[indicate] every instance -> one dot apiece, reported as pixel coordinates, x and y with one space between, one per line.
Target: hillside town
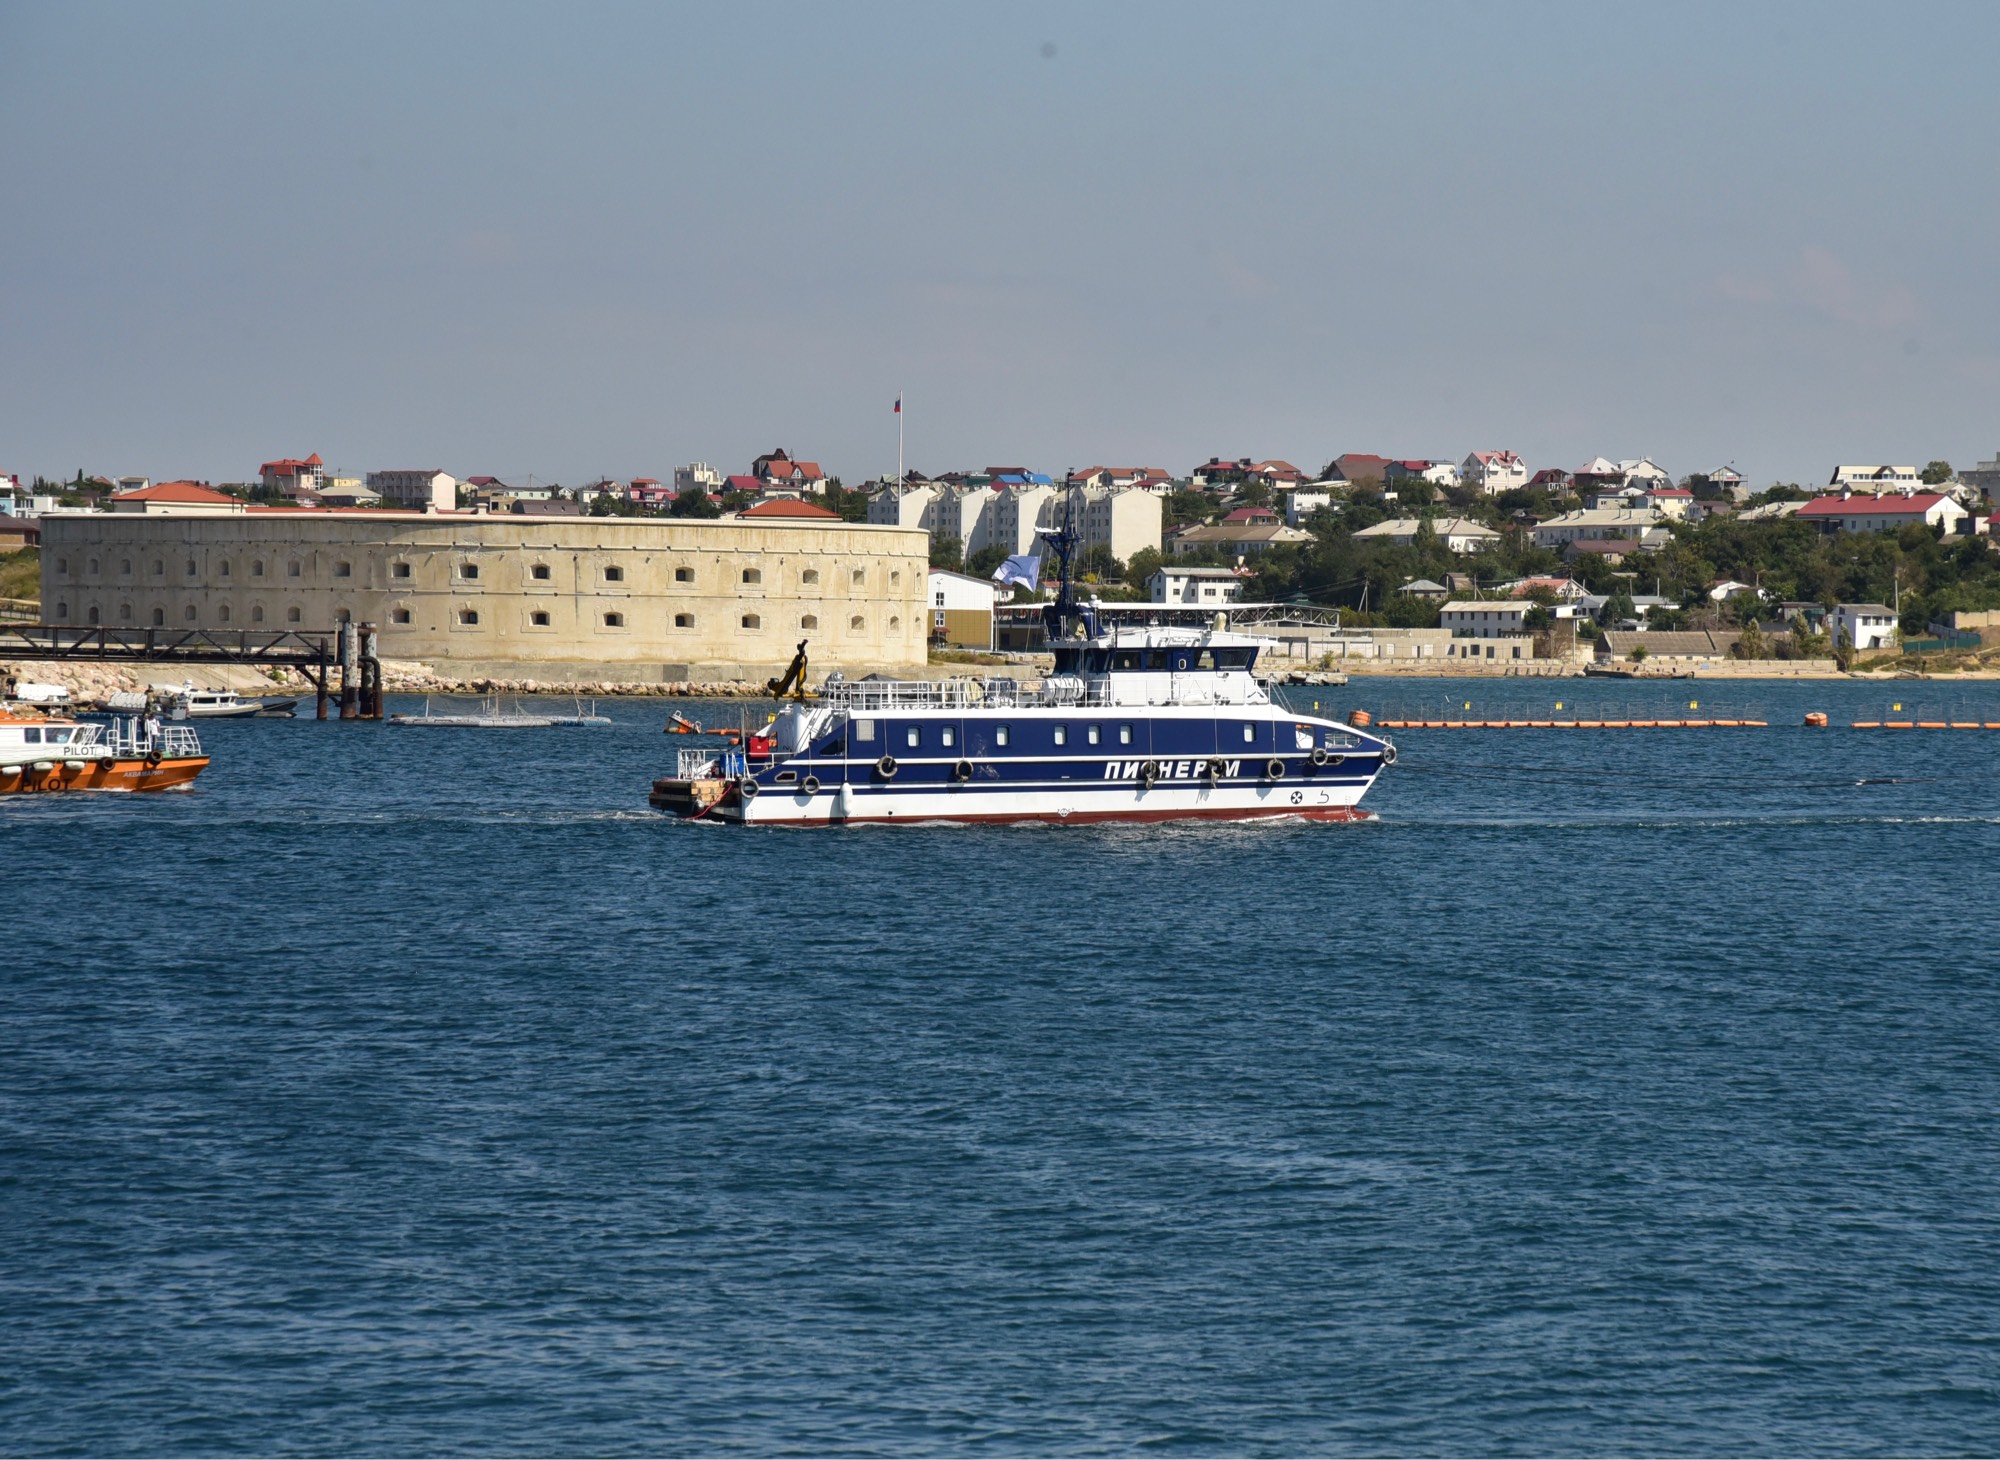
1370 561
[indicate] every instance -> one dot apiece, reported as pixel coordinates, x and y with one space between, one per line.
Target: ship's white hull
858 805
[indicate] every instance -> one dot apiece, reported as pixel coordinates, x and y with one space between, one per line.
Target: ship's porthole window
947 736
913 737
683 620
468 615
540 572
614 620
539 619
809 621
1124 734
1249 734
1062 734
291 615
399 616
1094 734
1001 734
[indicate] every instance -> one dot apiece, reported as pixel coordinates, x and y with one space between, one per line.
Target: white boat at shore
489 716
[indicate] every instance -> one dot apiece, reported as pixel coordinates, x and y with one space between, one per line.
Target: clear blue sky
610 238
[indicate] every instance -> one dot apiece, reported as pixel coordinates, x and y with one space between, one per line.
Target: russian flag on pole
899 405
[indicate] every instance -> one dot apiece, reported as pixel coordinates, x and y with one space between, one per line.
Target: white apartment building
1596 522
1195 585
697 476
1458 534
1492 618
428 491
1875 478
1302 502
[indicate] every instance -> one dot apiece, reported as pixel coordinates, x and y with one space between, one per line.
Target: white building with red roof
1494 472
1851 511
177 499
290 475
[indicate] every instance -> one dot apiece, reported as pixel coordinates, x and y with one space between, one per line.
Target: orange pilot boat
50 752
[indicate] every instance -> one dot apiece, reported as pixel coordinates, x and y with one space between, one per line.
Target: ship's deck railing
962 694
710 765
128 737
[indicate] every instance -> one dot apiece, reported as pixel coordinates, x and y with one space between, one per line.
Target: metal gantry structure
350 648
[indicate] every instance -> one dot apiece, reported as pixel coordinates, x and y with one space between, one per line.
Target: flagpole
899 438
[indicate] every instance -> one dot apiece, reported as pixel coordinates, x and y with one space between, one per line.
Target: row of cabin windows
1099 661
864 730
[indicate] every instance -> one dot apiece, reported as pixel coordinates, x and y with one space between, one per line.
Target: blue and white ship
1133 724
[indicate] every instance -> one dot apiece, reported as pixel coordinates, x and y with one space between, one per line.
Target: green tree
982 563
1936 474
1140 568
693 503
1185 506
947 552
1751 643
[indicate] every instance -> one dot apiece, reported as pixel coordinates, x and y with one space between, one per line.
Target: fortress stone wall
584 597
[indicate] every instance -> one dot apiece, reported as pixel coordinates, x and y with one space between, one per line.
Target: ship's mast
1056 616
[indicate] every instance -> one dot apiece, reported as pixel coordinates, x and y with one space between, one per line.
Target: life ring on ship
886 767
1319 755
810 785
153 759
1388 755
962 771
747 789
1149 773
1274 768
1216 768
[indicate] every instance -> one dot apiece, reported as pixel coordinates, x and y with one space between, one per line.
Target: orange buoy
1965 724
1867 724
1816 717
1931 725
1899 725
1359 718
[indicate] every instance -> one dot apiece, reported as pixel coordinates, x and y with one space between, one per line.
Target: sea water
421 1091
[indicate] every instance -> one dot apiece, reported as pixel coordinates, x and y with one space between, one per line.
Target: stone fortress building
643 599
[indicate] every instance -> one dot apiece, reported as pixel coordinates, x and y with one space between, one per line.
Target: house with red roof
177 499
786 509
1494 472
290 475
1850 511
1358 468
777 473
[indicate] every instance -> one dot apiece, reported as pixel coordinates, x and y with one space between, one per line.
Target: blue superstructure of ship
1132 724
